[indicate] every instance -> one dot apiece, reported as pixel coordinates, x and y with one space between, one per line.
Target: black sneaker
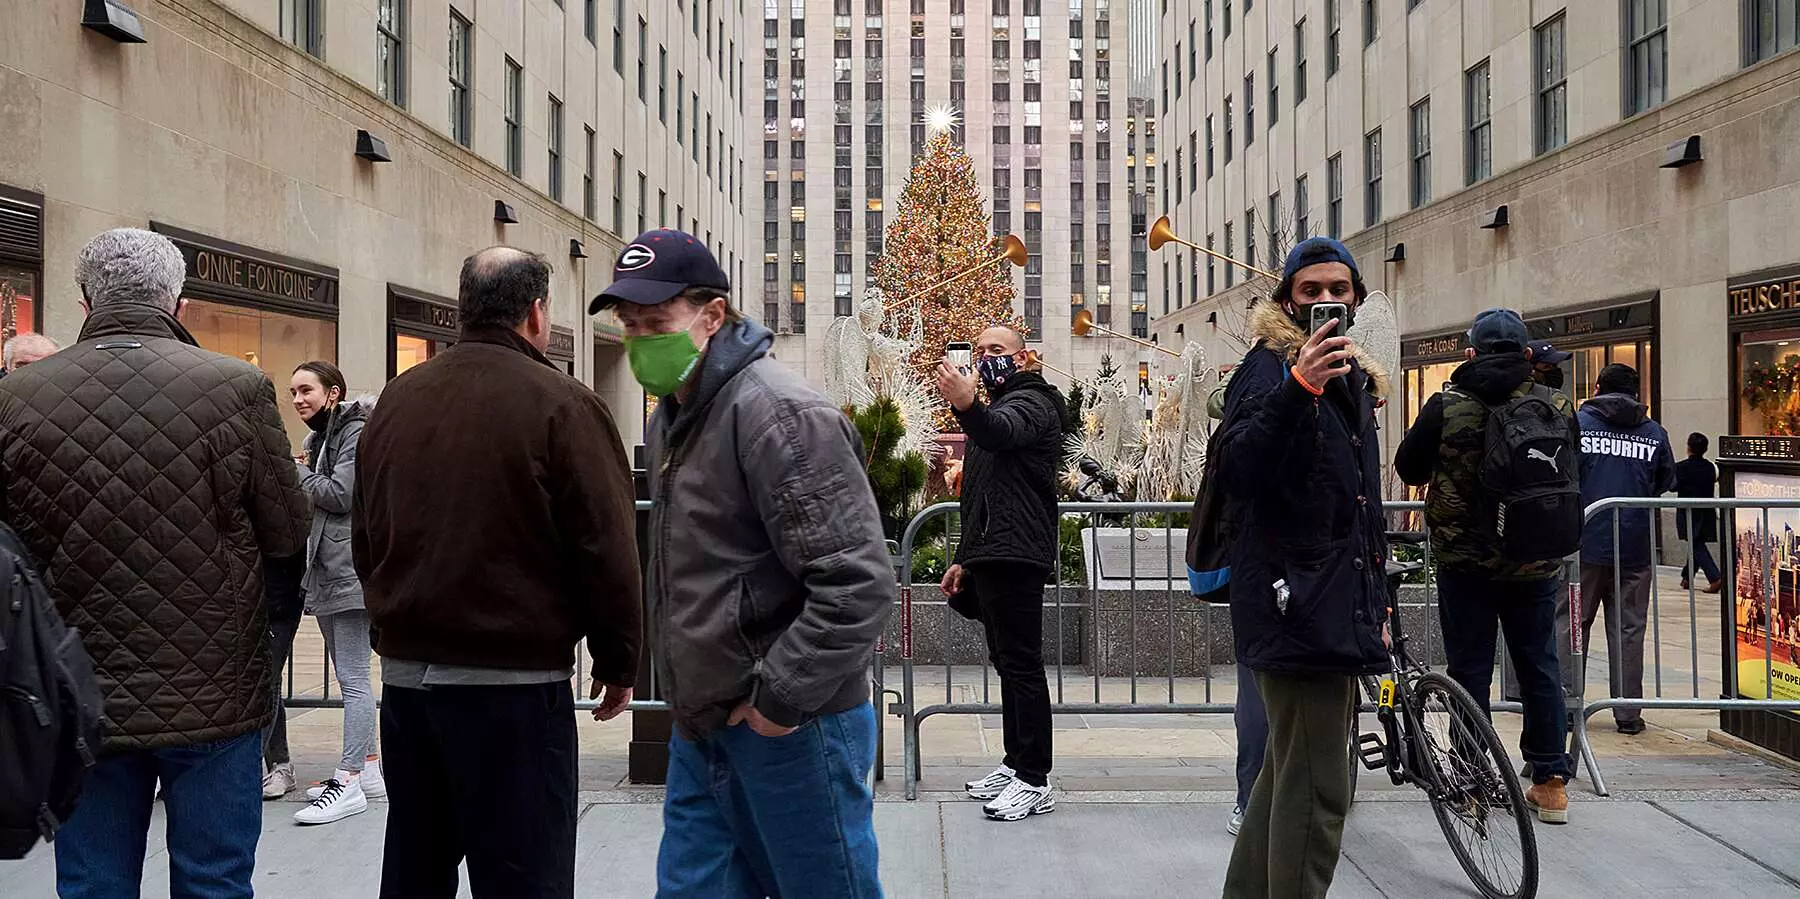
1632 728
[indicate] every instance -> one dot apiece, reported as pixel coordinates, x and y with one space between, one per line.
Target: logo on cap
635 257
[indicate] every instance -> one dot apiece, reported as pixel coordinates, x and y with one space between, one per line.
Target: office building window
1211 285
1250 230
515 110
1209 145
1371 22
643 202
1209 40
643 63
588 147
461 67
1372 177
301 25
1334 196
1478 100
590 20
1274 91
1301 222
1230 270
390 51
1299 62
1227 130
1551 119
1333 28
619 37
1274 226
680 108
662 84
1249 109
1225 18
1419 130
556 149
1193 61
1771 27
1647 34
618 195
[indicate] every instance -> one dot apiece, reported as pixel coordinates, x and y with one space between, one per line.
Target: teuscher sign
1772 295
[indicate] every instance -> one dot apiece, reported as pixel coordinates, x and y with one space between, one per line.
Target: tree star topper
941 118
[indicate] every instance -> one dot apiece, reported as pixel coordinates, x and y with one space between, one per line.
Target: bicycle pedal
1372 751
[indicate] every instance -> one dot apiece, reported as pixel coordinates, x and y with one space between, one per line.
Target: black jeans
1469 604
485 773
285 609
1012 613
1703 559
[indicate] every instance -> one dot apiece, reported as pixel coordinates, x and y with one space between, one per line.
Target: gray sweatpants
1627 612
347 641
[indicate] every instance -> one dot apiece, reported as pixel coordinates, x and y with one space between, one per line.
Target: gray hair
131 265
11 352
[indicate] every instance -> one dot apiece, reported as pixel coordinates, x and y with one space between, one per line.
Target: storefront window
1768 377
18 300
1582 371
271 341
410 351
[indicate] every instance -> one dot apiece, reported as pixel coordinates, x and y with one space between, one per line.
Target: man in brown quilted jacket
149 477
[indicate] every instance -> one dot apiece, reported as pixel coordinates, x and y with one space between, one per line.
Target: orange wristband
1295 371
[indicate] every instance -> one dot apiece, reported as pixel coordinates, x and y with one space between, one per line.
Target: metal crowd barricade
1729 699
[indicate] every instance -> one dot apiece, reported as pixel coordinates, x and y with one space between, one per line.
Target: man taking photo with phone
1302 473
1007 550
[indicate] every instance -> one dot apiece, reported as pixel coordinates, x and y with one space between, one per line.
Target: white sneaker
335 802
1021 800
1237 821
992 785
373 786
278 781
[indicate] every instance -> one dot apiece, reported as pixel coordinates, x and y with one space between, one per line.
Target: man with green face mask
769 583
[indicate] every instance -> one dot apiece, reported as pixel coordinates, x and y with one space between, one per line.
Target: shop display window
271 341
410 351
1768 383
18 299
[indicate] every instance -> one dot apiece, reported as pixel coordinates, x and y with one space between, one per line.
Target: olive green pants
1288 848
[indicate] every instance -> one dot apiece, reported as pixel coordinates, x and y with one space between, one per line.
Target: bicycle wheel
1355 750
1478 802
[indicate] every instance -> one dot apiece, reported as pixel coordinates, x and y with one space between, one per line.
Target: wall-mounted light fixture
113 19
1397 253
576 251
1212 318
1684 152
504 214
372 148
1496 218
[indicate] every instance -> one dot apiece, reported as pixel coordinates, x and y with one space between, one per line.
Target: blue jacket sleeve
1271 423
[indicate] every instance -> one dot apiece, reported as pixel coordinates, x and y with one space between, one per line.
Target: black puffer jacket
1303 475
1009 474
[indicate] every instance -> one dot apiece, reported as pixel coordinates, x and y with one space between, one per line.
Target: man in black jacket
1008 548
1302 474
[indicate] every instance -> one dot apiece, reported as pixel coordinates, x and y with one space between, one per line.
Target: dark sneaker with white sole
1019 801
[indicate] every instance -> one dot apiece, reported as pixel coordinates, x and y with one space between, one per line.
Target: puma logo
1535 453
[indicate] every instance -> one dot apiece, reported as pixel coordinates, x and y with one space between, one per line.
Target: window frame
1653 44
513 113
1418 132
1478 145
1544 138
462 105
1372 178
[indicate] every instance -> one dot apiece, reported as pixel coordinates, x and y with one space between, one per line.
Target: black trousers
1012 613
483 773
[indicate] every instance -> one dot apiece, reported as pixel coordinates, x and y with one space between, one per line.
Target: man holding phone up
1302 473
1007 550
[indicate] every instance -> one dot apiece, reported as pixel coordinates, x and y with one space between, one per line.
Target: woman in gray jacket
333 593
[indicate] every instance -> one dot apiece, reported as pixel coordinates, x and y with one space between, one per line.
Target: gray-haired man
26 349
149 476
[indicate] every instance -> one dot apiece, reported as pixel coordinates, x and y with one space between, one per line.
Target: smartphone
959 353
1323 312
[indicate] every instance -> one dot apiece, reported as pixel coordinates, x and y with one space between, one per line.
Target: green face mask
662 362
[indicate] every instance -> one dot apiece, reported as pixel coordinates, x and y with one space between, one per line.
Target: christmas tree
940 230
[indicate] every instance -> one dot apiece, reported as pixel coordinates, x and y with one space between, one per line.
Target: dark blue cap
1317 251
1545 352
657 267
1499 331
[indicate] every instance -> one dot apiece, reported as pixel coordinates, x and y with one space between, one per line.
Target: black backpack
1530 479
50 707
1209 535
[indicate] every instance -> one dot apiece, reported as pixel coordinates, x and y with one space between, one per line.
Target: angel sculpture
860 357
1377 332
1173 449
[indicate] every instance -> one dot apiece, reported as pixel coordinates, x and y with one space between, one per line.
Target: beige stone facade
223 131
1604 251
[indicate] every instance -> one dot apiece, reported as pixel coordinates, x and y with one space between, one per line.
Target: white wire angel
1172 452
860 357
1377 332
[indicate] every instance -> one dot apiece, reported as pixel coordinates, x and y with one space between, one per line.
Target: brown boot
1714 587
1550 800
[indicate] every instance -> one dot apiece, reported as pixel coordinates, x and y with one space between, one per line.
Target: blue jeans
791 817
1469 605
1252 722
212 793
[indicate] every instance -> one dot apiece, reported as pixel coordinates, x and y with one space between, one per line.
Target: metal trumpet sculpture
1014 252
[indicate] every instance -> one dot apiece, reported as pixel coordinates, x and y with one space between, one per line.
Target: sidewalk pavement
1718 844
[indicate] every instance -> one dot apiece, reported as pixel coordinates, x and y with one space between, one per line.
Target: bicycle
1434 735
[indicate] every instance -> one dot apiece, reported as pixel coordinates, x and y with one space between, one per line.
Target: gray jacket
768 575
330 582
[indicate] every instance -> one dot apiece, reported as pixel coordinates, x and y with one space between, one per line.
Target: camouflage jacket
1442 452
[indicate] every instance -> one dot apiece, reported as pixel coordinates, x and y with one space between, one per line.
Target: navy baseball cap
1498 331
1316 251
1542 351
658 266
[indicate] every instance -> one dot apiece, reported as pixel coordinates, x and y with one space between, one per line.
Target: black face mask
995 370
1551 378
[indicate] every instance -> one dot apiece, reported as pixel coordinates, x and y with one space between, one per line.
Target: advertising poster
1767 582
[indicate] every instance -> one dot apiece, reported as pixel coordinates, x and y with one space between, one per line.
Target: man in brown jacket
493 531
148 476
